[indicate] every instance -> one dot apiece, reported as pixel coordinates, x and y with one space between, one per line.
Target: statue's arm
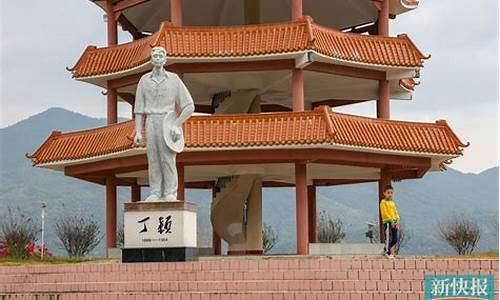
185 103
139 112
139 118
186 112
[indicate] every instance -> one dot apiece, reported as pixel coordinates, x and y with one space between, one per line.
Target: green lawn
485 255
54 260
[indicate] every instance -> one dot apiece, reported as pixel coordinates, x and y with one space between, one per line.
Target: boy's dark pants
391 236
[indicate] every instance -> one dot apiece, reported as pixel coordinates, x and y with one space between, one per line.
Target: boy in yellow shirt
390 220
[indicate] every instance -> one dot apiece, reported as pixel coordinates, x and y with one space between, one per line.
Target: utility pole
43 228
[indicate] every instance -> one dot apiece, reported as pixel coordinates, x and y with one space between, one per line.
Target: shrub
120 236
36 251
403 238
4 249
78 235
269 238
461 233
17 232
330 230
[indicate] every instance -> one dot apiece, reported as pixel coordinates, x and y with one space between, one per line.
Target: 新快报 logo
459 287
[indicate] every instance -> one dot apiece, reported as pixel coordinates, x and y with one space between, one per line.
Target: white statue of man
158 93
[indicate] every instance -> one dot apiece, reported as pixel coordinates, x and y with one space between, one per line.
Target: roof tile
251 40
320 126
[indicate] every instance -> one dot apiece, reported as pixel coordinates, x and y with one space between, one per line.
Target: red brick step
237 278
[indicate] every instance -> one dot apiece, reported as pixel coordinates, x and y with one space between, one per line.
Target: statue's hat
168 124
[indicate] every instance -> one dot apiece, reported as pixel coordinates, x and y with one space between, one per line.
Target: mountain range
422 203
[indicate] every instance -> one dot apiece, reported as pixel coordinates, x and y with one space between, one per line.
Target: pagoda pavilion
267 76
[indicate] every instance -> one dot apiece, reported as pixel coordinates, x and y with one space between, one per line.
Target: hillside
422 203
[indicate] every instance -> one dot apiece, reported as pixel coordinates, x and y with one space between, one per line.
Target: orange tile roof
251 40
408 84
320 126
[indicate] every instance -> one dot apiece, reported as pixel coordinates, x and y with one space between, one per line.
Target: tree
78 235
120 236
403 238
330 230
269 238
18 231
461 233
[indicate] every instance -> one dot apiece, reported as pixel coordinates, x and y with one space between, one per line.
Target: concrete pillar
385 179
180 182
216 240
301 208
112 28
298 89
176 12
112 106
254 219
112 37
311 207
112 117
383 103
135 192
296 9
110 213
383 18
251 11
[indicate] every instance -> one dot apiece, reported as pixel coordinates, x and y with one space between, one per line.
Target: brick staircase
237 278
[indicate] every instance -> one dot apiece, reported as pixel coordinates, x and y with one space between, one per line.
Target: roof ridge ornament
309 22
88 48
327 115
444 123
33 157
160 33
406 37
55 133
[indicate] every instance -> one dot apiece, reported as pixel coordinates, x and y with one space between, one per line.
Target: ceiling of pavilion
338 14
274 87
283 173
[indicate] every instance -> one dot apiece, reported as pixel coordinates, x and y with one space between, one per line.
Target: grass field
52 261
485 255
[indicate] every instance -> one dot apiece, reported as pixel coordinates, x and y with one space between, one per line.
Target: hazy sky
459 83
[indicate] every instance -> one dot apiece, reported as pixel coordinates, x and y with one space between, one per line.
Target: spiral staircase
236 208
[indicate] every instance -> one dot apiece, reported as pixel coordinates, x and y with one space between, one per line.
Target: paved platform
257 277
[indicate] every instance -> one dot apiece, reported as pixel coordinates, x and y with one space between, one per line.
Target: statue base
159 254
159 231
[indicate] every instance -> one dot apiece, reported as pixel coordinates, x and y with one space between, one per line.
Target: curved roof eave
318 128
436 158
249 43
393 72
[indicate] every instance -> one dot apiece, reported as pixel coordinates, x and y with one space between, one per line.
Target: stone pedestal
159 231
